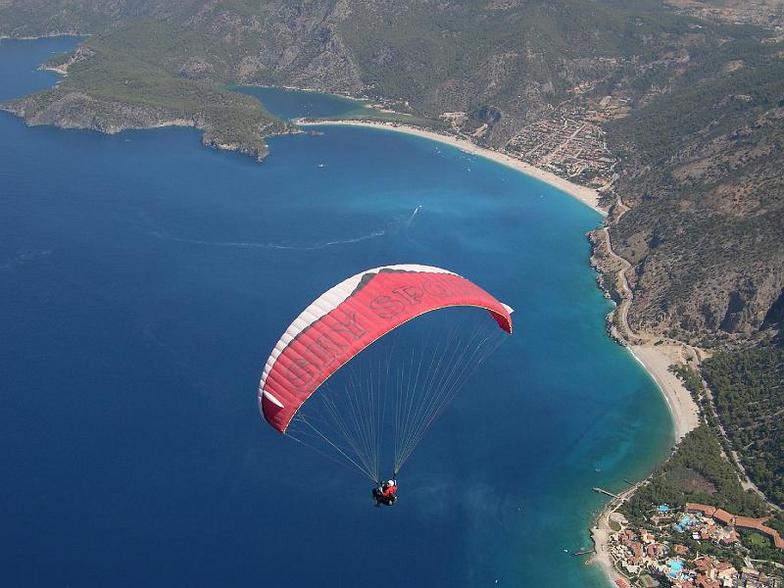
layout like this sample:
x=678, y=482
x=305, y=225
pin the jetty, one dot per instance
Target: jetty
x=607, y=492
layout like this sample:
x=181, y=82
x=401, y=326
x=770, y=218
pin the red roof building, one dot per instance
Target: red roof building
x=703, y=508
x=705, y=582
x=723, y=516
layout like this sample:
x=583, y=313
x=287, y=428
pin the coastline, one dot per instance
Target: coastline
x=657, y=359
x=600, y=535
x=587, y=196
x=37, y=37
x=654, y=355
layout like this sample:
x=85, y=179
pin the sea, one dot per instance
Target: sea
x=144, y=280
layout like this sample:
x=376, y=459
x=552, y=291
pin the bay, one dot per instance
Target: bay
x=143, y=282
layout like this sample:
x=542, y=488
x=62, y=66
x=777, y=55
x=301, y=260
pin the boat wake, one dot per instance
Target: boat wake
x=392, y=228
x=413, y=215
x=260, y=245
x=25, y=257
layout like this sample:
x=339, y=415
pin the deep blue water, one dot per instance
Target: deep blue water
x=143, y=282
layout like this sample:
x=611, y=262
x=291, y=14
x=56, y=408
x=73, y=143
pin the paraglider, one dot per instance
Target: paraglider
x=371, y=359
x=386, y=493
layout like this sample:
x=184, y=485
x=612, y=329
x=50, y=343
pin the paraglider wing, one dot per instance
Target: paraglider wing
x=350, y=316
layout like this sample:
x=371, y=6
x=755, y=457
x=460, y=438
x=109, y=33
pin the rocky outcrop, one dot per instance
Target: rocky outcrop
x=293, y=42
x=77, y=110
x=704, y=232
x=61, y=63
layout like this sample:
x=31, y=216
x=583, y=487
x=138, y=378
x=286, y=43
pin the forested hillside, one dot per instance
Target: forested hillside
x=749, y=397
x=697, y=472
x=707, y=199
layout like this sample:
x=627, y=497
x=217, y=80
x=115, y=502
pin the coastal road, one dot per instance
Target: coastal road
x=656, y=353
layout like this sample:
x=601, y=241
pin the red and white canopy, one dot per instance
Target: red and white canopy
x=349, y=317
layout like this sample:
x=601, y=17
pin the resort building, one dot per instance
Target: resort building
x=652, y=556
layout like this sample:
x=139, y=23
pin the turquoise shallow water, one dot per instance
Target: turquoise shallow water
x=290, y=104
x=143, y=281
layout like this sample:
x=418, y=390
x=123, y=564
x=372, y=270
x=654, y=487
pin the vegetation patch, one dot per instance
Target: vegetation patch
x=749, y=395
x=131, y=77
x=696, y=472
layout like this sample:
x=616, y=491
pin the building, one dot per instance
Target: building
x=702, y=508
x=730, y=520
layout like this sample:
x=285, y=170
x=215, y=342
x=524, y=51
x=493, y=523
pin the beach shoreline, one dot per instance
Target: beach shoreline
x=587, y=196
x=657, y=359
x=655, y=356
x=600, y=535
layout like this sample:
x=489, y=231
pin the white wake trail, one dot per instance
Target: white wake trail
x=390, y=229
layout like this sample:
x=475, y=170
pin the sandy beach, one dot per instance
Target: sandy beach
x=657, y=360
x=587, y=196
